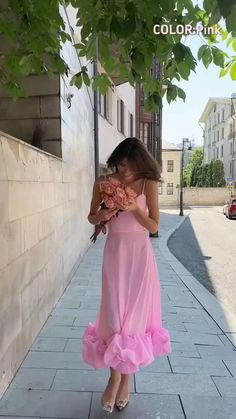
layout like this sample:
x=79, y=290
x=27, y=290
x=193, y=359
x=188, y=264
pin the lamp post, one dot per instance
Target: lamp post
x=184, y=142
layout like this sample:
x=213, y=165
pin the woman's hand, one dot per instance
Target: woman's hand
x=132, y=206
x=106, y=214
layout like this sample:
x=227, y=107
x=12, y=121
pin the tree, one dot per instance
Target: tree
x=218, y=175
x=122, y=30
x=192, y=171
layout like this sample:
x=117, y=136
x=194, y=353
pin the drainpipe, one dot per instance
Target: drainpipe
x=95, y=117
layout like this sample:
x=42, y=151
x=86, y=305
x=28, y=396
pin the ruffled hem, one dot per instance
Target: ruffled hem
x=124, y=353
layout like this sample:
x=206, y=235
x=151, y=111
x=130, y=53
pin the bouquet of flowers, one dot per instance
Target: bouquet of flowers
x=114, y=194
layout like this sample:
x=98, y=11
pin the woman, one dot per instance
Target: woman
x=127, y=333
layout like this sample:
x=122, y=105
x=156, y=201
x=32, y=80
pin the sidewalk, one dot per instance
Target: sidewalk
x=196, y=381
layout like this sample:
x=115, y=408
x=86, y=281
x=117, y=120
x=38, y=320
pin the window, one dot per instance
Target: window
x=131, y=125
x=160, y=188
x=218, y=136
x=222, y=151
x=146, y=133
x=231, y=149
x=222, y=133
x=218, y=117
x=104, y=105
x=121, y=116
x=169, y=188
x=170, y=165
x=223, y=115
x=217, y=152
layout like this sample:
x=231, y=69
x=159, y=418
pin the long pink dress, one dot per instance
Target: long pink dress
x=128, y=332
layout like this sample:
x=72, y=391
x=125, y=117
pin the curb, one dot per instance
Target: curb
x=222, y=316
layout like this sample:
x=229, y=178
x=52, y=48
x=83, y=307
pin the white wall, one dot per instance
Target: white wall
x=44, y=232
x=109, y=136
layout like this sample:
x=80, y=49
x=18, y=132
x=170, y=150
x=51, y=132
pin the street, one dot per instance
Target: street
x=206, y=245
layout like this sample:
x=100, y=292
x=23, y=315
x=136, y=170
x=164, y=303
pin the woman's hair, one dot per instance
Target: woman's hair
x=141, y=161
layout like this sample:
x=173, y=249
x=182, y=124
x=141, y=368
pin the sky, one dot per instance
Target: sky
x=180, y=119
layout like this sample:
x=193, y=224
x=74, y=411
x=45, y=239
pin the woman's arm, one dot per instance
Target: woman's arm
x=95, y=215
x=150, y=221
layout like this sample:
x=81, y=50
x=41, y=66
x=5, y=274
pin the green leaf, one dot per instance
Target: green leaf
x=171, y=93
x=233, y=71
x=234, y=45
x=86, y=79
x=224, y=71
x=179, y=51
x=181, y=93
x=115, y=26
x=85, y=31
x=215, y=16
x=207, y=56
x=183, y=70
x=201, y=51
x=218, y=57
x=231, y=19
x=77, y=80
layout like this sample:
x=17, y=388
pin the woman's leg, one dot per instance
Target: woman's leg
x=124, y=388
x=109, y=395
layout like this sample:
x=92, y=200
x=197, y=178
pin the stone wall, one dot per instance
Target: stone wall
x=44, y=203
x=205, y=196
x=41, y=108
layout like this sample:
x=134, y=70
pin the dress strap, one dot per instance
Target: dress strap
x=144, y=184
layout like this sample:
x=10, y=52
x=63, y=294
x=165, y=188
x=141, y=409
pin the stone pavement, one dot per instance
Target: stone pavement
x=196, y=381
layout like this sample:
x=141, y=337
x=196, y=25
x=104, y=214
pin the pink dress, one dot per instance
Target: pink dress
x=128, y=332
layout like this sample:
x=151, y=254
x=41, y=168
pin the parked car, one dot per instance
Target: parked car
x=229, y=209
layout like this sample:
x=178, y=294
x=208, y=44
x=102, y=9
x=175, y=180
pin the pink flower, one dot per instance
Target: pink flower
x=115, y=195
x=109, y=202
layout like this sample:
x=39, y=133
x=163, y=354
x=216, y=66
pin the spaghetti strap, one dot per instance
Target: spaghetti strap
x=144, y=184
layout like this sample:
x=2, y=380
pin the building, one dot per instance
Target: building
x=219, y=134
x=116, y=118
x=149, y=124
x=171, y=165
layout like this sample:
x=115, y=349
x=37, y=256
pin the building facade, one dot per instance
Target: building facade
x=171, y=165
x=218, y=118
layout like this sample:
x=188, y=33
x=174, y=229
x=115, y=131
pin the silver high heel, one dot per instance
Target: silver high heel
x=108, y=409
x=121, y=404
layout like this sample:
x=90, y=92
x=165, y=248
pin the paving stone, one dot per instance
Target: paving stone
x=172, y=383
x=58, y=360
x=42, y=403
x=60, y=320
x=57, y=311
x=170, y=325
x=67, y=302
x=160, y=364
x=203, y=328
x=85, y=317
x=143, y=406
x=73, y=345
x=226, y=386
x=195, y=337
x=231, y=365
x=183, y=349
x=62, y=331
x=209, y=407
x=33, y=378
x=198, y=366
x=223, y=352
x=94, y=380
x=49, y=344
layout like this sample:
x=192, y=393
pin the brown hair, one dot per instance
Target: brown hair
x=142, y=162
